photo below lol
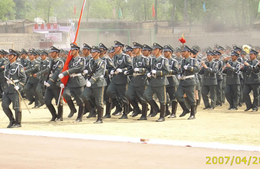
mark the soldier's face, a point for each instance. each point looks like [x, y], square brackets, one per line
[11, 58]
[178, 54]
[209, 57]
[167, 54]
[185, 54]
[233, 57]
[252, 56]
[95, 55]
[43, 57]
[129, 53]
[145, 52]
[31, 57]
[86, 52]
[156, 51]
[118, 49]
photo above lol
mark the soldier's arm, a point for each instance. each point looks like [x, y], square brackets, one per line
[174, 70]
[56, 73]
[194, 68]
[34, 68]
[99, 73]
[214, 69]
[46, 70]
[128, 63]
[22, 77]
[76, 69]
[110, 66]
[165, 69]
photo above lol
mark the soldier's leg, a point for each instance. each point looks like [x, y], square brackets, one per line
[190, 92]
[99, 95]
[28, 93]
[241, 97]
[56, 93]
[86, 96]
[108, 104]
[6, 101]
[224, 81]
[68, 97]
[111, 92]
[161, 94]
[255, 88]
[213, 96]
[174, 103]
[77, 95]
[246, 92]
[236, 94]
[39, 95]
[229, 96]
[179, 96]
[16, 106]
[131, 95]
[219, 93]
[121, 91]
[139, 93]
[205, 92]
[170, 92]
[48, 98]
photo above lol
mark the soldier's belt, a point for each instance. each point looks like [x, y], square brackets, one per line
[187, 77]
[169, 75]
[75, 75]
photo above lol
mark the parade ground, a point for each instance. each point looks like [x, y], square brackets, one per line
[175, 143]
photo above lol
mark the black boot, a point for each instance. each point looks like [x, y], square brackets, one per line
[72, 108]
[118, 110]
[144, 111]
[80, 113]
[18, 119]
[154, 108]
[108, 110]
[9, 114]
[92, 111]
[174, 109]
[52, 111]
[60, 113]
[162, 113]
[192, 113]
[126, 111]
[100, 114]
[31, 102]
[167, 113]
[136, 108]
[185, 109]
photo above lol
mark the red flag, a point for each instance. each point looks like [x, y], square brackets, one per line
[153, 11]
[75, 9]
[65, 79]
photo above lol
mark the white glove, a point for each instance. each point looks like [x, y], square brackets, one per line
[88, 84]
[9, 82]
[16, 88]
[153, 71]
[185, 67]
[179, 76]
[62, 85]
[61, 76]
[125, 72]
[112, 72]
[85, 72]
[149, 75]
[119, 70]
[136, 69]
[46, 84]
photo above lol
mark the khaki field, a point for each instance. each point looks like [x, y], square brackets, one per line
[219, 125]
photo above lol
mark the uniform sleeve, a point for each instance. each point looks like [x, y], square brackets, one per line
[76, 69]
[34, 68]
[174, 70]
[214, 68]
[109, 65]
[165, 69]
[56, 73]
[194, 67]
[128, 62]
[99, 73]
[46, 70]
[22, 77]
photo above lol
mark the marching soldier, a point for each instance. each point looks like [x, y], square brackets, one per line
[3, 63]
[221, 83]
[147, 50]
[252, 80]
[109, 67]
[76, 82]
[157, 85]
[138, 81]
[53, 85]
[232, 91]
[30, 87]
[171, 88]
[14, 73]
[86, 50]
[189, 67]
[129, 50]
[45, 66]
[119, 83]
[95, 85]
[209, 70]
[24, 61]
[178, 55]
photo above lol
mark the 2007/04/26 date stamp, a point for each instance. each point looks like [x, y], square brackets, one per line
[233, 160]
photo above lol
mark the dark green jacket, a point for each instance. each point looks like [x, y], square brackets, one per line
[45, 66]
[252, 72]
[233, 73]
[98, 72]
[56, 68]
[210, 73]
[173, 71]
[33, 67]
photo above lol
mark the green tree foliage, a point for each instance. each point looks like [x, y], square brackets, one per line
[7, 9]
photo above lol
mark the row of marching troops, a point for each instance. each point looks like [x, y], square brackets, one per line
[128, 79]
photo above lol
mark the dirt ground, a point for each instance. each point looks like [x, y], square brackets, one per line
[30, 152]
[219, 125]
